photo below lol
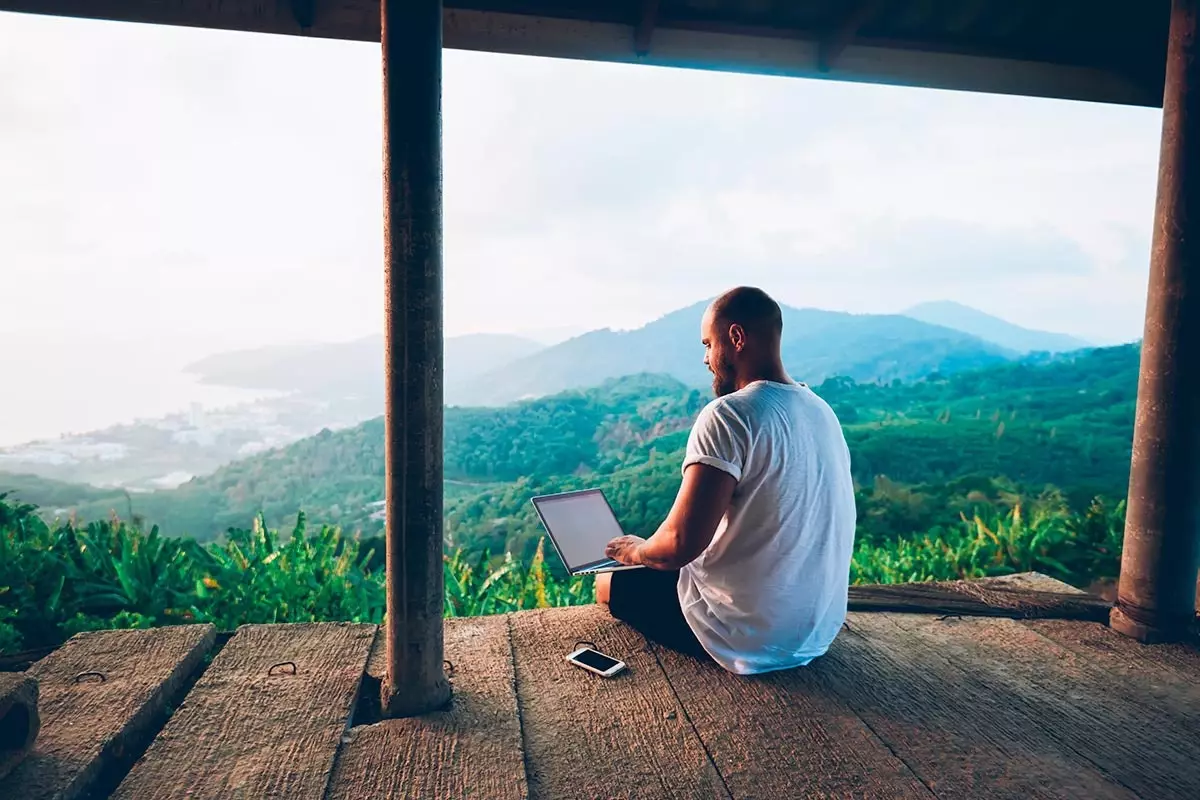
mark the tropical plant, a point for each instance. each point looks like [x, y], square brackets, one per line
[58, 580]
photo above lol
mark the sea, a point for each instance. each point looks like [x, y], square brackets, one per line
[49, 390]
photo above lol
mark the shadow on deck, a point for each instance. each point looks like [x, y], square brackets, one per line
[903, 706]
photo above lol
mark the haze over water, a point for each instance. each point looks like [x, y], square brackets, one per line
[74, 388]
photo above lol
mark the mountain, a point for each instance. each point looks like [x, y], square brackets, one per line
[495, 369]
[353, 368]
[468, 357]
[993, 329]
[816, 345]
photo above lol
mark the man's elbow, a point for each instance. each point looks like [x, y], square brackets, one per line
[684, 552]
[669, 563]
[680, 562]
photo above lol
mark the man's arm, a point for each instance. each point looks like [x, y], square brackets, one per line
[703, 499]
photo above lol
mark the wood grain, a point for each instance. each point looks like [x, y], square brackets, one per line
[102, 696]
[471, 750]
[592, 737]
[1140, 733]
[1128, 656]
[785, 734]
[1034, 581]
[19, 720]
[964, 737]
[242, 733]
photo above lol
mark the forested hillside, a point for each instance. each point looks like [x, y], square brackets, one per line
[923, 452]
[1050, 436]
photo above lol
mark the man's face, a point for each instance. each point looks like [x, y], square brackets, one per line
[718, 350]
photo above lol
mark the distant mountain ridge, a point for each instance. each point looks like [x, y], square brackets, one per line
[817, 344]
[497, 369]
[993, 329]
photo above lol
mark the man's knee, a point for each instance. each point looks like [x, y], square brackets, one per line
[603, 587]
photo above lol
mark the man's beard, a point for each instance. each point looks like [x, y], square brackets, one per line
[724, 381]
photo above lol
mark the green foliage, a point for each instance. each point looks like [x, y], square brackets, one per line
[474, 588]
[1075, 548]
[57, 581]
[253, 577]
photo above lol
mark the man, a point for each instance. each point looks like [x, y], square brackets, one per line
[752, 565]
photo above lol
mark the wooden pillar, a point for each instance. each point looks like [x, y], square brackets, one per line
[412, 218]
[1157, 592]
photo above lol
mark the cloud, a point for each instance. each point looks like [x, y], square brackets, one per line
[225, 189]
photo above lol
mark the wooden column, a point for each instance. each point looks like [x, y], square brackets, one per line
[412, 218]
[1157, 592]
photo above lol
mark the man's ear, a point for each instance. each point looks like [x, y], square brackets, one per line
[737, 336]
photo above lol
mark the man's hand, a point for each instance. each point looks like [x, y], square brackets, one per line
[625, 550]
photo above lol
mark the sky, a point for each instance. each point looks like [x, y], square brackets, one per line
[169, 193]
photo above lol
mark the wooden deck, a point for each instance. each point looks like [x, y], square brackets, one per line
[903, 706]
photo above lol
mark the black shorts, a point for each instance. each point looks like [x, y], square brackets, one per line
[648, 600]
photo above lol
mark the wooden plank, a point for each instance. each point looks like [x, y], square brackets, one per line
[1178, 664]
[247, 730]
[785, 734]
[964, 738]
[1100, 641]
[102, 696]
[19, 720]
[1021, 596]
[471, 750]
[1035, 581]
[1144, 737]
[587, 736]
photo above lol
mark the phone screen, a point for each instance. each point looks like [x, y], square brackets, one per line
[596, 660]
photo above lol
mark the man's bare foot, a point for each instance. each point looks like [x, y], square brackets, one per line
[603, 582]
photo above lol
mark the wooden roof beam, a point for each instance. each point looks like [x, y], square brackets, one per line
[833, 44]
[676, 43]
[305, 13]
[644, 31]
[966, 14]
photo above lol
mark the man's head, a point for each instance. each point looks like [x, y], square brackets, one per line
[741, 331]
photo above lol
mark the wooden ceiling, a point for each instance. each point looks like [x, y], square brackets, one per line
[1109, 51]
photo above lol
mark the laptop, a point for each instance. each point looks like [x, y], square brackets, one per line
[580, 525]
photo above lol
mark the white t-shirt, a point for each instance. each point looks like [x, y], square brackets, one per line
[770, 591]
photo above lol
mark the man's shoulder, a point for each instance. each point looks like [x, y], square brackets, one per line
[726, 407]
[756, 399]
[723, 414]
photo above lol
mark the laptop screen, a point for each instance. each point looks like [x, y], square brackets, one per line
[580, 524]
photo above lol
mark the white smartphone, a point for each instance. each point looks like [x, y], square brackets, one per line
[597, 662]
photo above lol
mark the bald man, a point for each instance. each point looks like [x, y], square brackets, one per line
[751, 567]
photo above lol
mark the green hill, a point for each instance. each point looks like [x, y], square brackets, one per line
[922, 452]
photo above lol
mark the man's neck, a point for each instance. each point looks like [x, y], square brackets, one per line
[775, 373]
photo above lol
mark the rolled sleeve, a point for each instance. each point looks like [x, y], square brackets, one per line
[719, 439]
